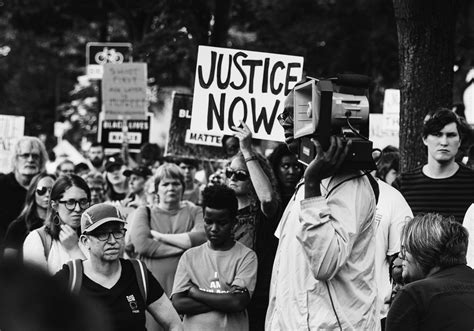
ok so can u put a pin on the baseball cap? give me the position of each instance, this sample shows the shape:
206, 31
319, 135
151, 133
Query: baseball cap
99, 214
139, 171
112, 161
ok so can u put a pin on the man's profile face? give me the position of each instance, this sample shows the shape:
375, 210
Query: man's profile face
287, 124
28, 159
96, 155
443, 145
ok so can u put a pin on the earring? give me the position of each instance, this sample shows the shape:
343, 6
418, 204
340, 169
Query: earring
56, 220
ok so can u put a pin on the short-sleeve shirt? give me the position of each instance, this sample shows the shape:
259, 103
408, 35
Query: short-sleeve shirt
216, 272
123, 302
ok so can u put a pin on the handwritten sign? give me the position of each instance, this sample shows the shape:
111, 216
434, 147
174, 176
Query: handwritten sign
233, 85
183, 142
124, 91
383, 130
11, 128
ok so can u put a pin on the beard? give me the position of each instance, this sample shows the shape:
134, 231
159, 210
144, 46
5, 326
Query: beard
97, 162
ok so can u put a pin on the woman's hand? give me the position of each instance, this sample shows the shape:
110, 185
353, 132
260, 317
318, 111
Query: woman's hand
68, 237
244, 135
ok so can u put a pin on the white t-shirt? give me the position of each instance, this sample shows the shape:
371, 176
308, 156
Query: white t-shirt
33, 252
390, 216
468, 223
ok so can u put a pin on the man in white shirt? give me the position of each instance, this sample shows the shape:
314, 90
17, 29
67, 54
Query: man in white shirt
323, 275
390, 216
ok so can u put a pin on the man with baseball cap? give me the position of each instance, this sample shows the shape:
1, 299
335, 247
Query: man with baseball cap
112, 281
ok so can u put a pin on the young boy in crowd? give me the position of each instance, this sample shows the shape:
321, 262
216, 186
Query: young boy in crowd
215, 281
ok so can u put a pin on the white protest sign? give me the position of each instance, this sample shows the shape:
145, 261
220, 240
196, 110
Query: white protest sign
233, 85
383, 131
124, 91
203, 138
11, 128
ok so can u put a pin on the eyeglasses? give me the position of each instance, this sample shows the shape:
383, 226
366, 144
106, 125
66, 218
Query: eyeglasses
104, 236
71, 204
26, 156
284, 116
240, 175
42, 191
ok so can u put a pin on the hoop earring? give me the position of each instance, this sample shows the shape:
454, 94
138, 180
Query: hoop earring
56, 220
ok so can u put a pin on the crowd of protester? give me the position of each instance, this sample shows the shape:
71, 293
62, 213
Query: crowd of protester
251, 242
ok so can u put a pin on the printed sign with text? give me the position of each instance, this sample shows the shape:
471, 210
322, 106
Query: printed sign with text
233, 85
185, 142
124, 91
11, 128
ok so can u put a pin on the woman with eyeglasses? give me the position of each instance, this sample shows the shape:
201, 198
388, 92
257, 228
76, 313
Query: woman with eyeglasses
252, 179
32, 216
58, 240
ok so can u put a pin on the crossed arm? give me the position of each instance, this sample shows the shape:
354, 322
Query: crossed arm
195, 301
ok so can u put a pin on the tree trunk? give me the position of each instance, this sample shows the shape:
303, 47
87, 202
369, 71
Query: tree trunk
426, 54
220, 30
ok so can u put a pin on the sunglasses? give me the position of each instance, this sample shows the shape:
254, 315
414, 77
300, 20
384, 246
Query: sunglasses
42, 191
285, 116
240, 175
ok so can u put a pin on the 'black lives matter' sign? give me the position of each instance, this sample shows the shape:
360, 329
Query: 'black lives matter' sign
236, 85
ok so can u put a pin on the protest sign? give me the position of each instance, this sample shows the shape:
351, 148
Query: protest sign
138, 133
233, 85
124, 91
183, 142
11, 128
383, 130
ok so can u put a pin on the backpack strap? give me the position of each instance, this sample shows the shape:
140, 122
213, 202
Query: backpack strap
375, 187
46, 240
75, 275
142, 277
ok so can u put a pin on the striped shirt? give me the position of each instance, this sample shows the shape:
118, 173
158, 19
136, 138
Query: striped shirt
446, 196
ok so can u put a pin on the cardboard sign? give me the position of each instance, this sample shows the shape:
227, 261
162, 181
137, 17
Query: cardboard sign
112, 135
11, 128
233, 85
383, 130
183, 142
124, 91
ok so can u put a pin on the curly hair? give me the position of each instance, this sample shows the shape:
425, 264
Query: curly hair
220, 197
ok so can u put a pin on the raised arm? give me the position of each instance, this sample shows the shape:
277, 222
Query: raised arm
330, 225
141, 237
261, 183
